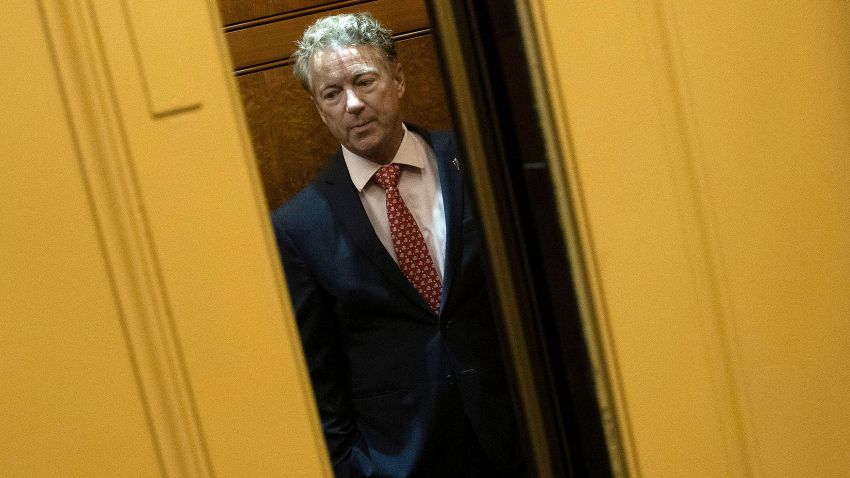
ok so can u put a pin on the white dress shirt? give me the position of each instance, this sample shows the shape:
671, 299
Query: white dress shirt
419, 185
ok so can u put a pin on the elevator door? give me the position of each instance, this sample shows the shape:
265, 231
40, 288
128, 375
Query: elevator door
706, 154
144, 324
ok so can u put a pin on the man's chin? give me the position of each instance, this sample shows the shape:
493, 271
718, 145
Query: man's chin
367, 147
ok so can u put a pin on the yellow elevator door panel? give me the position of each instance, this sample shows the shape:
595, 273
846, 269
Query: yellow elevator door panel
70, 401
145, 324
771, 104
707, 147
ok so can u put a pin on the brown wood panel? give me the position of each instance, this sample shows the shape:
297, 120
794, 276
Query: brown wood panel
238, 11
276, 41
290, 141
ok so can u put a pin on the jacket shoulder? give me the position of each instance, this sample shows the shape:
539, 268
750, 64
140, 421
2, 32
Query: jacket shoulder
443, 137
302, 211
438, 140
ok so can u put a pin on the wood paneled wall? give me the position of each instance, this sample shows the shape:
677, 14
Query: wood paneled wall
290, 141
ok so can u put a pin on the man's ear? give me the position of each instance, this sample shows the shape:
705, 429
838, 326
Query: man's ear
398, 77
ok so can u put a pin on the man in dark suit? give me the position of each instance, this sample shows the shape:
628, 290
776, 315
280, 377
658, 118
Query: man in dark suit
383, 258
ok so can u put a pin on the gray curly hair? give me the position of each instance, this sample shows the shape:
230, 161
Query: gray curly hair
337, 31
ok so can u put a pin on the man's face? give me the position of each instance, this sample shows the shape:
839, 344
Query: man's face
357, 94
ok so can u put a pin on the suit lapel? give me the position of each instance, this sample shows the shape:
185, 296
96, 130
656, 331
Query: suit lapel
337, 187
451, 183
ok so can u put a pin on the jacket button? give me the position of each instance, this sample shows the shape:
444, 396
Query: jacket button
451, 379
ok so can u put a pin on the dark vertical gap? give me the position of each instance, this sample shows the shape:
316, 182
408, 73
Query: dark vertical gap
492, 47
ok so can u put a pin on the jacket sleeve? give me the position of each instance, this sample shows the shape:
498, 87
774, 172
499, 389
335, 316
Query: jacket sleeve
314, 313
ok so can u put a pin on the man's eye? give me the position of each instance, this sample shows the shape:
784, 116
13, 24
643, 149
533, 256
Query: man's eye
330, 95
365, 82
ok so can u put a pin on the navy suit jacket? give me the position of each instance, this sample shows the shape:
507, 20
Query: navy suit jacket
398, 387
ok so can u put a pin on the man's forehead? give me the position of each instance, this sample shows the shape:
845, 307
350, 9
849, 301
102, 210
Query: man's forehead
342, 52
351, 57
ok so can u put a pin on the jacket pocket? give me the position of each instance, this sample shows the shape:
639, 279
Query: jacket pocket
377, 393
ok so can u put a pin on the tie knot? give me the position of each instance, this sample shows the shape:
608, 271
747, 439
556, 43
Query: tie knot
387, 176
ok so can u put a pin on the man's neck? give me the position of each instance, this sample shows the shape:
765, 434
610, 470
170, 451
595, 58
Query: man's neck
386, 156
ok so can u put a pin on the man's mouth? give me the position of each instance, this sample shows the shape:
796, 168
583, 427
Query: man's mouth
361, 125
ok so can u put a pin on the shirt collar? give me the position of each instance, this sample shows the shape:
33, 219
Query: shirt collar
362, 170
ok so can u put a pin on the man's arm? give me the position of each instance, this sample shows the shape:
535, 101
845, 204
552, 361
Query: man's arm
320, 340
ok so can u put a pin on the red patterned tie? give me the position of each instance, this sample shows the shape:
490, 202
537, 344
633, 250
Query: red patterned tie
410, 249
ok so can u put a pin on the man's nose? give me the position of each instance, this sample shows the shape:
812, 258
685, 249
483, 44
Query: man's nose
353, 104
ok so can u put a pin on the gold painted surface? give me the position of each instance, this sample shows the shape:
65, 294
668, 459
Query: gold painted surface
217, 263
705, 150
166, 49
126, 245
645, 304
769, 98
107, 205
69, 399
